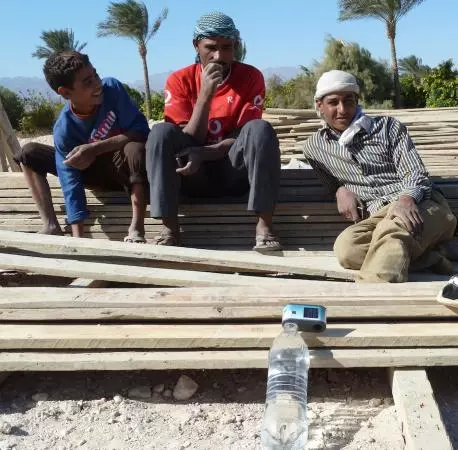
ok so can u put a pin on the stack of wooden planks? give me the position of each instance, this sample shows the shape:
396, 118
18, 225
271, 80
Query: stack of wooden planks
305, 218
187, 315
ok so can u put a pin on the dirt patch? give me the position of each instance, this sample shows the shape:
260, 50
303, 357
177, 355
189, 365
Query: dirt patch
347, 409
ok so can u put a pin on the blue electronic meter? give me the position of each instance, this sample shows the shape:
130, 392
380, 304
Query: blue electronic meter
309, 318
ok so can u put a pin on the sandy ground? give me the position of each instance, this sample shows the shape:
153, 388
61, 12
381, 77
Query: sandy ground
45, 139
102, 410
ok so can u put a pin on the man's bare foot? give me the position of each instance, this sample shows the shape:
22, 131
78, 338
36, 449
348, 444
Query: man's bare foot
136, 235
168, 237
266, 240
52, 230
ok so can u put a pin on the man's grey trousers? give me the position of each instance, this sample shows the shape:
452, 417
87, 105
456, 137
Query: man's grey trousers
251, 165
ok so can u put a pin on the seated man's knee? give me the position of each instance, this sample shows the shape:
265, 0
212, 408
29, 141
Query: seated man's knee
161, 132
260, 128
347, 252
263, 139
390, 225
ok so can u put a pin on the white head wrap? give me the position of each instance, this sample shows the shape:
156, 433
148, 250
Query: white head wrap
335, 81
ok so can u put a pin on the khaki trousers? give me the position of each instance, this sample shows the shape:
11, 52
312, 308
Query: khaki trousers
382, 249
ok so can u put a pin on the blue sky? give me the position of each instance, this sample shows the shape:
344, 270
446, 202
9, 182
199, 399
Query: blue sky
277, 33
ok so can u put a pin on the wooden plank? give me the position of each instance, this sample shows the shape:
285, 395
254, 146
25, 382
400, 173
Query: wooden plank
12, 181
229, 313
222, 335
77, 247
135, 274
88, 283
413, 396
201, 230
124, 218
342, 300
220, 359
200, 210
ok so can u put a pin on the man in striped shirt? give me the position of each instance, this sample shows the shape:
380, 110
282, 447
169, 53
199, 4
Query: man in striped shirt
381, 185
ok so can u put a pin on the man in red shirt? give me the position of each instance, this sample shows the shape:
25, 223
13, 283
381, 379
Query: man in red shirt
213, 142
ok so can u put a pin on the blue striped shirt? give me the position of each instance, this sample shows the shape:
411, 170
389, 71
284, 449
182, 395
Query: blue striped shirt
379, 165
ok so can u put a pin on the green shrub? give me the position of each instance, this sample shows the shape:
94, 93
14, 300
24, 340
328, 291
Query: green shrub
14, 106
413, 96
136, 96
157, 106
386, 104
40, 113
441, 86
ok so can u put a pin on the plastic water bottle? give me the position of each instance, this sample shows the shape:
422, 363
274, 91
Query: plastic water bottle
285, 417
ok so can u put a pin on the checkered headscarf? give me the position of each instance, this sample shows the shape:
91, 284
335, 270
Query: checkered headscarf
216, 24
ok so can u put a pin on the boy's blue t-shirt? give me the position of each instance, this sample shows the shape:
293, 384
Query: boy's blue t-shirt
116, 115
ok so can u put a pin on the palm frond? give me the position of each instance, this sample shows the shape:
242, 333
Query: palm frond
42, 53
386, 10
157, 23
57, 41
130, 19
412, 65
125, 19
406, 6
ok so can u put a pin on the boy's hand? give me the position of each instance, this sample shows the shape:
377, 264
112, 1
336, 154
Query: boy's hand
347, 204
81, 157
407, 210
193, 164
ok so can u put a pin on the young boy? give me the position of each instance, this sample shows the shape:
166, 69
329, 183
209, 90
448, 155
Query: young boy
99, 141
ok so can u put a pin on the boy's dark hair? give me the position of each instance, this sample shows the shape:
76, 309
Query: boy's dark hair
60, 68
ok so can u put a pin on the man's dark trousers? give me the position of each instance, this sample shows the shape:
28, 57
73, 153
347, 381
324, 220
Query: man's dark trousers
251, 165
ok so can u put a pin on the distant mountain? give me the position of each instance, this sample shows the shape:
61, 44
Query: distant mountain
157, 81
22, 84
285, 73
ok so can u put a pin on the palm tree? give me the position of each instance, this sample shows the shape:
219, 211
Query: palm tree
388, 11
412, 65
130, 19
57, 41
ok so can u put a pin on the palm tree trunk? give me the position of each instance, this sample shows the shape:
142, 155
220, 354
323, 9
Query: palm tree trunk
394, 62
142, 49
